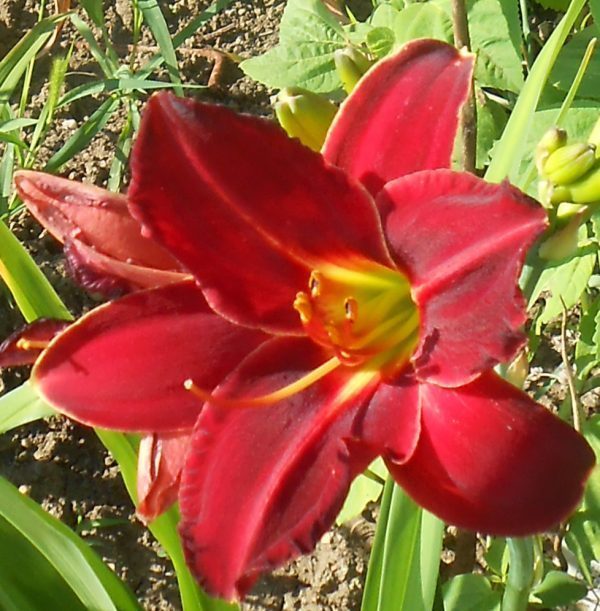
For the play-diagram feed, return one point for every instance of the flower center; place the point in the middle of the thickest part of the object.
(364, 313)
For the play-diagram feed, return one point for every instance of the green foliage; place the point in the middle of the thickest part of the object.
(68, 574)
(470, 592)
(20, 406)
(404, 564)
(309, 36)
(364, 489)
(558, 589)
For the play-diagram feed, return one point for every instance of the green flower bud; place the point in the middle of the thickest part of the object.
(551, 141)
(305, 115)
(568, 163)
(586, 190)
(563, 243)
(350, 64)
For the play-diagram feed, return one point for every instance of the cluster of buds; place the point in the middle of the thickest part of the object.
(569, 188)
(306, 115)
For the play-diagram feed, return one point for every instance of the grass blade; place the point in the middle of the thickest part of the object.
(404, 566)
(20, 406)
(38, 538)
(509, 151)
(156, 22)
(15, 62)
(83, 135)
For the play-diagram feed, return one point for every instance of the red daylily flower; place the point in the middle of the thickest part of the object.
(104, 245)
(339, 312)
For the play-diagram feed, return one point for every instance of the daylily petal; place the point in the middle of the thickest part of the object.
(69, 209)
(25, 345)
(124, 364)
(99, 273)
(261, 485)
(492, 460)
(462, 243)
(403, 115)
(160, 460)
(246, 209)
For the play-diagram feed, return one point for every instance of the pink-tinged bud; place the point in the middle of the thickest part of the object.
(563, 242)
(350, 64)
(305, 115)
(551, 141)
(517, 371)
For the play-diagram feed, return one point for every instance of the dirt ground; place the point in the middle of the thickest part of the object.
(64, 466)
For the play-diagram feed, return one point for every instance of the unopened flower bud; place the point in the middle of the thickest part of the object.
(585, 190)
(350, 64)
(563, 243)
(516, 372)
(551, 141)
(569, 163)
(305, 115)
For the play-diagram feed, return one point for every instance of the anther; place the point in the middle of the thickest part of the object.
(31, 344)
(350, 309)
(314, 283)
(303, 306)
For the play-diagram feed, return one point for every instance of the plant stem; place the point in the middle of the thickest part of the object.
(462, 40)
(520, 574)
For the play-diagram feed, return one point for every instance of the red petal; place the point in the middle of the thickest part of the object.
(261, 485)
(248, 210)
(14, 349)
(160, 461)
(403, 115)
(69, 209)
(462, 242)
(99, 273)
(123, 365)
(492, 460)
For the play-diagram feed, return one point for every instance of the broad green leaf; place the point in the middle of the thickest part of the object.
(565, 281)
(309, 36)
(364, 489)
(470, 592)
(508, 153)
(83, 134)
(404, 564)
(44, 548)
(31, 290)
(491, 120)
(20, 406)
(158, 26)
(496, 556)
(568, 62)
(424, 20)
(587, 349)
(559, 589)
(380, 41)
(591, 499)
(498, 59)
(15, 62)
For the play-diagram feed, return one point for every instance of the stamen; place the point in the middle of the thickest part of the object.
(315, 283)
(31, 344)
(350, 309)
(264, 400)
(303, 306)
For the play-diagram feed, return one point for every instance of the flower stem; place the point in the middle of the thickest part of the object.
(520, 574)
(460, 24)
